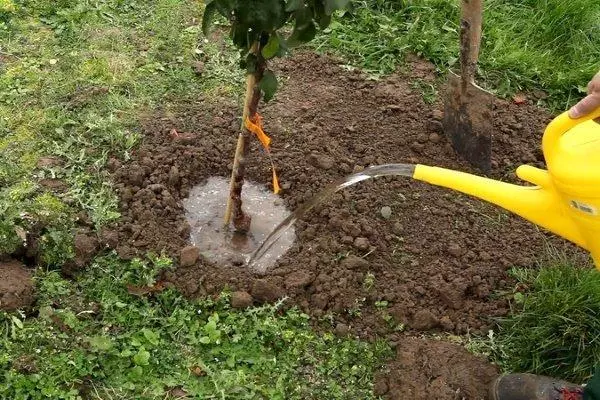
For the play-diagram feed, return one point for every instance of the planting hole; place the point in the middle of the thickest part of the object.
(204, 210)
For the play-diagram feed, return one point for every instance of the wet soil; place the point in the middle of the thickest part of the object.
(438, 263)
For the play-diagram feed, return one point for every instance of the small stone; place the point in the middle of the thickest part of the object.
(341, 329)
(386, 212)
(354, 262)
(437, 115)
(265, 291)
(398, 228)
(189, 256)
(241, 300)
(362, 243)
(434, 138)
(424, 320)
(455, 250)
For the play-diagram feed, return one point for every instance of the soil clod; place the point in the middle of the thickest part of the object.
(189, 256)
(16, 286)
(241, 300)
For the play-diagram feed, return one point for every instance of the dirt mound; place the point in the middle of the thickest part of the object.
(384, 255)
(435, 262)
(430, 369)
(16, 286)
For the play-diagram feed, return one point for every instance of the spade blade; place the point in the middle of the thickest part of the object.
(468, 121)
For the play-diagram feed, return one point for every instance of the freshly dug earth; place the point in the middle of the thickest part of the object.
(438, 262)
(432, 369)
(16, 286)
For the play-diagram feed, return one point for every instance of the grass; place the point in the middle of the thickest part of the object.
(553, 327)
(93, 339)
(548, 45)
(79, 75)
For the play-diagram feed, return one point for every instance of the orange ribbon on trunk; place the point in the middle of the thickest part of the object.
(254, 125)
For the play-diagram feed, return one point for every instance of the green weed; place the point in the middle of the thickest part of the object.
(94, 339)
(77, 76)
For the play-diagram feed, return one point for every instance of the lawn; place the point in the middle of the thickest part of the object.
(77, 78)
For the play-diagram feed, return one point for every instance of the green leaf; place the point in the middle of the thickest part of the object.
(210, 12)
(302, 34)
(101, 343)
(18, 323)
(142, 357)
(293, 5)
(333, 5)
(151, 337)
(268, 85)
(272, 47)
(204, 340)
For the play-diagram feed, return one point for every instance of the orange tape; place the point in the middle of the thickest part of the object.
(256, 128)
(254, 125)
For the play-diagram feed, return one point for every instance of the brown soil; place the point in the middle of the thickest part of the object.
(432, 369)
(16, 286)
(439, 262)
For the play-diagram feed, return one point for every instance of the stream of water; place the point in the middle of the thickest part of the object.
(287, 223)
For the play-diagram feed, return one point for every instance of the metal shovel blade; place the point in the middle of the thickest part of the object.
(468, 121)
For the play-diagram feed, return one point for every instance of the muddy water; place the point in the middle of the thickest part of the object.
(279, 233)
(204, 210)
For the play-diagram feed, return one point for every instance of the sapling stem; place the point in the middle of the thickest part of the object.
(241, 221)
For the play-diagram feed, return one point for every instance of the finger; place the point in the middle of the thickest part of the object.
(593, 87)
(585, 106)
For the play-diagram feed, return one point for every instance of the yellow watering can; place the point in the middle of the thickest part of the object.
(565, 199)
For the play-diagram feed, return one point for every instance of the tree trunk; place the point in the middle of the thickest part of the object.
(241, 221)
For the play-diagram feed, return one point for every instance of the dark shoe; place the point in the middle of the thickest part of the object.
(533, 387)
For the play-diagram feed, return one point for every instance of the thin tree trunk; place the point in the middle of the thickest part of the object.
(241, 221)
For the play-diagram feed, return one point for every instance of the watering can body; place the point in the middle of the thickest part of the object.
(565, 199)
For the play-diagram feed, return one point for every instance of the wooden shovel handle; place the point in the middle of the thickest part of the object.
(470, 37)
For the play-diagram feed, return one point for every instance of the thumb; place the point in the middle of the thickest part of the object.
(585, 106)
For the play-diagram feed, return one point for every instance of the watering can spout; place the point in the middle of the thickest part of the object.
(565, 199)
(539, 204)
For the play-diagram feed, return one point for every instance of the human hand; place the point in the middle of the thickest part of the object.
(590, 102)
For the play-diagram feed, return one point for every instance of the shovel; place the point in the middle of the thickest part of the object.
(468, 108)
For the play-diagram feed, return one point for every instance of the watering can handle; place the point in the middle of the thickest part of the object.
(558, 127)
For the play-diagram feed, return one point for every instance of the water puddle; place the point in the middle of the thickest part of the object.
(204, 210)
